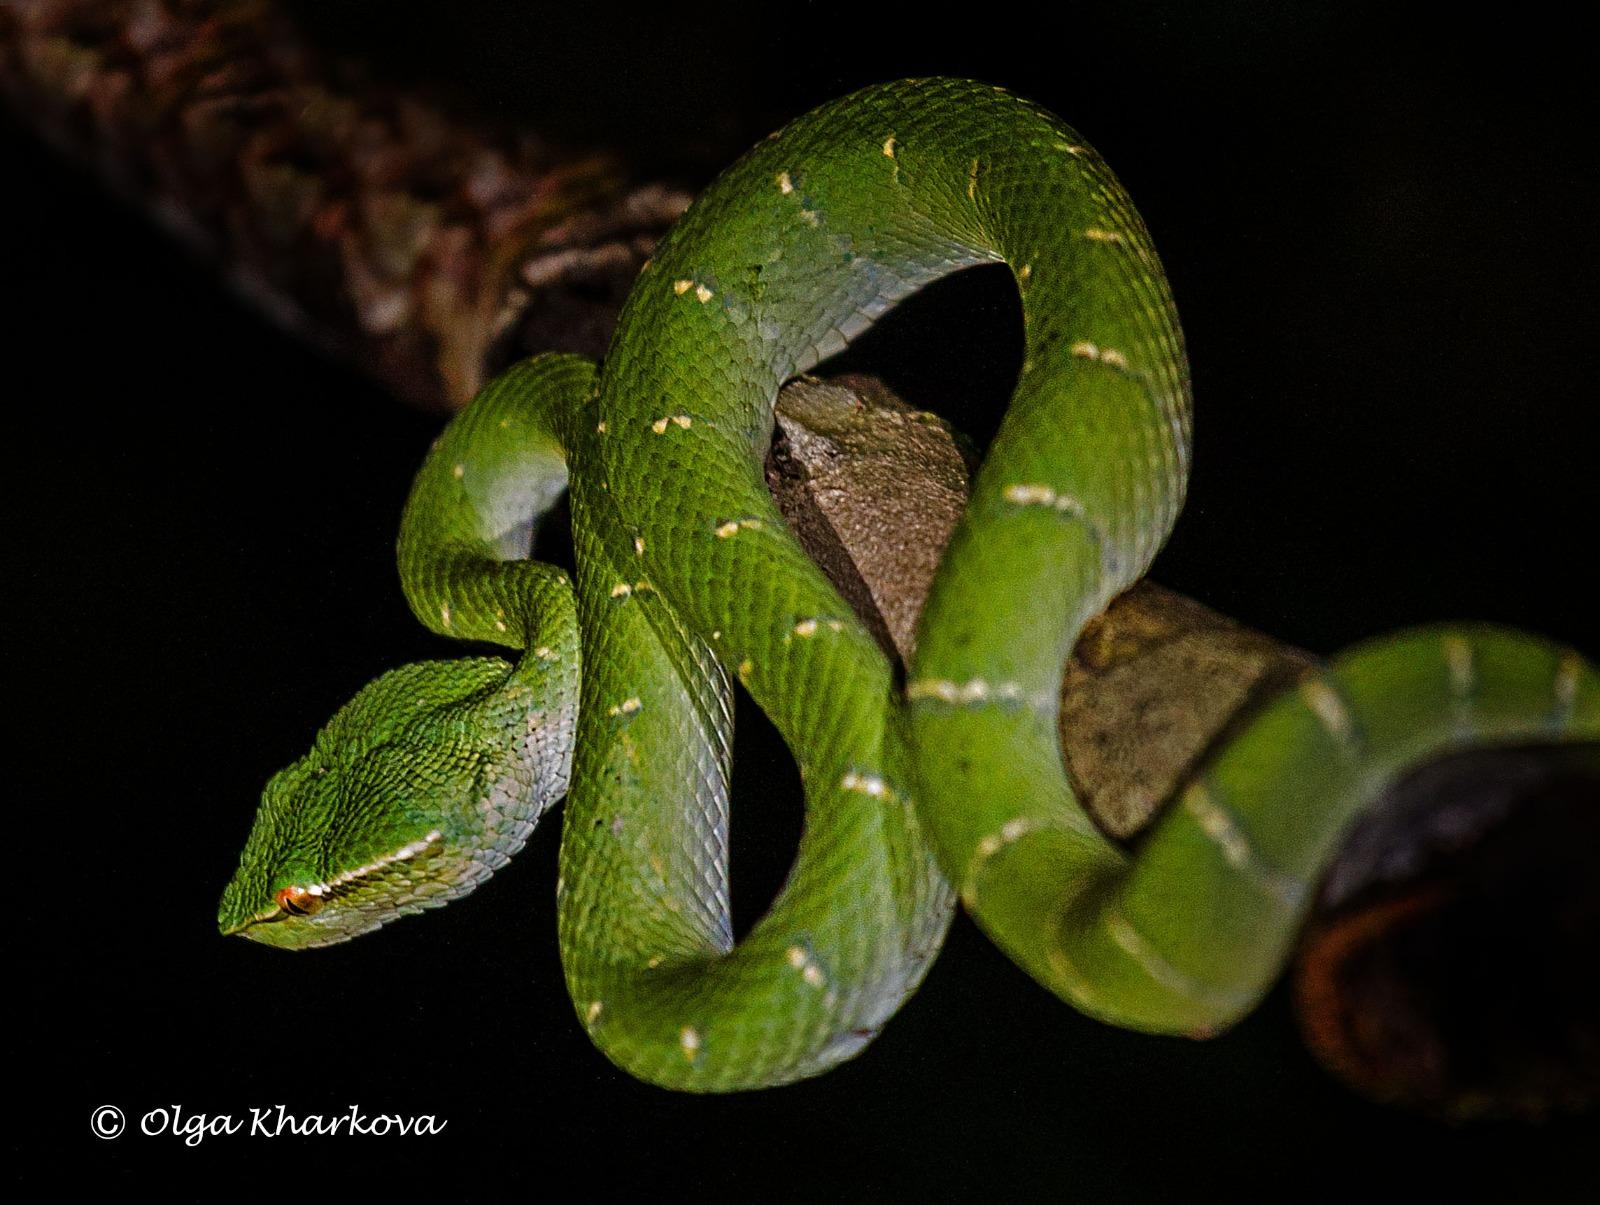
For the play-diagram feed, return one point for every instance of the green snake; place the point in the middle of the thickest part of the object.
(948, 783)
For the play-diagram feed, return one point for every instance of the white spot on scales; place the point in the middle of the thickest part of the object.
(867, 784)
(1329, 708)
(1085, 350)
(1219, 824)
(1458, 660)
(975, 690)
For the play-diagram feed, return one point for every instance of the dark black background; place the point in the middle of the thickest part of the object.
(1379, 230)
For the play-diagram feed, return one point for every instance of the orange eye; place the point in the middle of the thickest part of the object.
(297, 901)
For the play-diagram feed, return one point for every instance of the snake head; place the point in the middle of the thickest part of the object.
(415, 792)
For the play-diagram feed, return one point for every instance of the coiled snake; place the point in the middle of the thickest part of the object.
(687, 578)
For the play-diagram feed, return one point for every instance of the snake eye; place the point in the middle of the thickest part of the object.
(298, 901)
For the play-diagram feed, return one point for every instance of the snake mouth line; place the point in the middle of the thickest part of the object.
(265, 917)
(332, 889)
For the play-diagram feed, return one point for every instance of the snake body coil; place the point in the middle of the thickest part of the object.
(688, 578)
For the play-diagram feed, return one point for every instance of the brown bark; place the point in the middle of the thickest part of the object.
(431, 247)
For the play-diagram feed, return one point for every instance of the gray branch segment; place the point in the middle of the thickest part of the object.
(874, 487)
